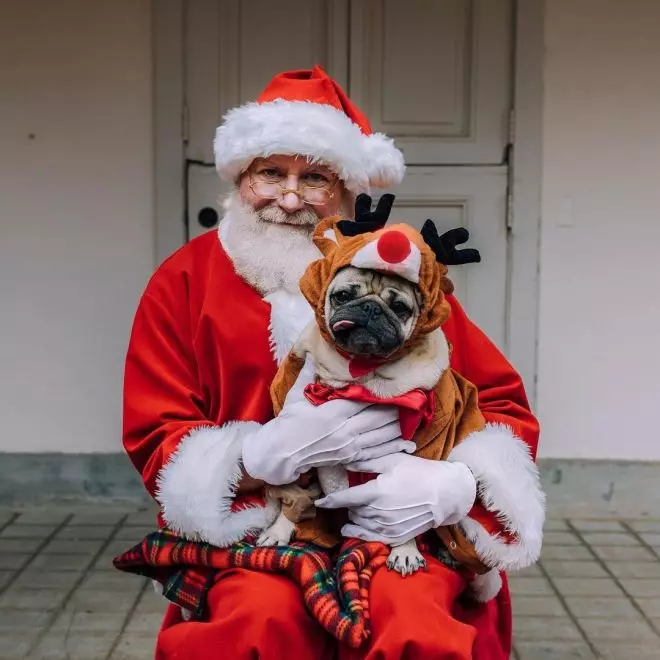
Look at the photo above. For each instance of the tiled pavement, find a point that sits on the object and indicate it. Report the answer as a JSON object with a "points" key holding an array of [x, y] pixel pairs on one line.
{"points": [[595, 593]]}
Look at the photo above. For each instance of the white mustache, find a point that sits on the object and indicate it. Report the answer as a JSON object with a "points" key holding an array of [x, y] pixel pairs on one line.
{"points": [[303, 217]]}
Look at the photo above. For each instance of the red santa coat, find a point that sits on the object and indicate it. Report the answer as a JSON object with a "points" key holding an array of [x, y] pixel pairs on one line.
{"points": [[198, 371]]}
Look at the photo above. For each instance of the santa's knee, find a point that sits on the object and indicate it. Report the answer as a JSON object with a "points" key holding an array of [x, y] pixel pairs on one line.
{"points": [[423, 643]]}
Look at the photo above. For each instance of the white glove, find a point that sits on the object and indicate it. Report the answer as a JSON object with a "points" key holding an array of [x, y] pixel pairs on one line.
{"points": [[410, 496], [304, 436]]}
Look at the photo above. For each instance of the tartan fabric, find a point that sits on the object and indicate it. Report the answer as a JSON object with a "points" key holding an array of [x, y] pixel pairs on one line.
{"points": [[334, 585]]}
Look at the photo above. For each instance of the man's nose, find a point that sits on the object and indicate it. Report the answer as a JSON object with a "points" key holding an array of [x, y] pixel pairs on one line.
{"points": [[290, 201]]}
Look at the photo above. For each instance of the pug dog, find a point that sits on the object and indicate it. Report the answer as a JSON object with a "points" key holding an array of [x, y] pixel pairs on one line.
{"points": [[370, 316]]}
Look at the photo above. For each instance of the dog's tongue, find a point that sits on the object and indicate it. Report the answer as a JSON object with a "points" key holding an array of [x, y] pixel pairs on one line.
{"points": [[343, 325]]}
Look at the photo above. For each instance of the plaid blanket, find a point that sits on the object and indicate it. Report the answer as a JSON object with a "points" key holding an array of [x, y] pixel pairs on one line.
{"points": [[334, 584]]}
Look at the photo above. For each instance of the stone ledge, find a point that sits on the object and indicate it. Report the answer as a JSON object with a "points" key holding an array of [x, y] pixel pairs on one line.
{"points": [[575, 488]]}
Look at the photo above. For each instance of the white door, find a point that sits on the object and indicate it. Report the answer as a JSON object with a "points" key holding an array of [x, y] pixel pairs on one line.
{"points": [[433, 74]]}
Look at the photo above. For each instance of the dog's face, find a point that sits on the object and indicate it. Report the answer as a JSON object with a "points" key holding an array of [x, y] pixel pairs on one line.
{"points": [[369, 313]]}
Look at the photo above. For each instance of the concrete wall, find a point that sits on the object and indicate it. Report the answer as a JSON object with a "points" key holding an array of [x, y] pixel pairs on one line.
{"points": [[76, 226], [599, 361]]}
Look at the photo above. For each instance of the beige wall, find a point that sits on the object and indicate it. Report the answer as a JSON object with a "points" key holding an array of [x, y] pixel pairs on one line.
{"points": [[599, 361], [76, 226]]}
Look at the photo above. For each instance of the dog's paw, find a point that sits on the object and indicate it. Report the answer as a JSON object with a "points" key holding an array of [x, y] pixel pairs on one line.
{"points": [[279, 533], [406, 559]]}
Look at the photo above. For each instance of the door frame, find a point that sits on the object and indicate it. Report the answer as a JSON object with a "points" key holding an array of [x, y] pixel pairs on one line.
{"points": [[524, 222]]}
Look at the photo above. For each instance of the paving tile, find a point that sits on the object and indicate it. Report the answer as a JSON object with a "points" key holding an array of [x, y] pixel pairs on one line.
{"points": [[5, 578], [69, 547], [14, 646], [610, 538], [74, 621], [27, 531], [650, 606], [623, 553], [61, 562], [639, 588], [587, 587], [36, 600], [560, 538], [13, 561], [135, 534], [597, 525], [527, 586], [643, 569], [545, 629], [602, 607], [579, 569], [530, 571], [145, 622], [90, 532], [106, 518], [113, 581], [40, 579], [554, 525], [23, 620], [19, 546], [555, 650], [43, 517], [537, 606], [88, 600], [627, 650], [653, 539], [565, 553], [644, 525], [151, 602], [614, 629], [135, 646], [88, 646]]}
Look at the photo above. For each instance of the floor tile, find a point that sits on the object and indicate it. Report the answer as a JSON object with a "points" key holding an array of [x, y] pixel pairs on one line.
{"points": [[565, 553], [643, 569], [560, 538], [35, 600], [627, 651], [597, 525], [61, 562], [537, 606], [610, 538], [27, 531], [618, 630], [19, 546], [641, 588], [555, 650], [587, 587], [9, 561], [85, 532], [530, 586], [579, 569], [545, 629], [650, 606], [645, 525], [554, 525], [70, 547], [602, 607], [623, 553]]}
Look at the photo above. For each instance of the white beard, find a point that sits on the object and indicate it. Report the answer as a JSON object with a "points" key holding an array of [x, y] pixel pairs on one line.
{"points": [[267, 254]]}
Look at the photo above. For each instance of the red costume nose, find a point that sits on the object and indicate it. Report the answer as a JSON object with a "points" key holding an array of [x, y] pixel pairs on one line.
{"points": [[393, 247]]}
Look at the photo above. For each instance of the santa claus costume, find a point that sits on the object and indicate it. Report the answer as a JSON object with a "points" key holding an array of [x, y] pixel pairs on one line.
{"points": [[206, 342]]}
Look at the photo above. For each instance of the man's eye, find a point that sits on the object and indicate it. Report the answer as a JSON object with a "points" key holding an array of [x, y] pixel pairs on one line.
{"points": [[270, 173], [400, 308], [315, 179], [341, 297]]}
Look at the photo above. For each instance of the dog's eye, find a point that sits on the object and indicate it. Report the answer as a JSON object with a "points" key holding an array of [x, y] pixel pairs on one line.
{"points": [[400, 308], [341, 297]]}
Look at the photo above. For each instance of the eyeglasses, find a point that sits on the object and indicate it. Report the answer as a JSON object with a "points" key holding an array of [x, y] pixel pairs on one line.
{"points": [[314, 190]]}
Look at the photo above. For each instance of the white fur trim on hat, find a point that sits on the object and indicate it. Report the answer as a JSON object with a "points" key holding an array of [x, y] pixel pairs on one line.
{"points": [[197, 486], [316, 130]]}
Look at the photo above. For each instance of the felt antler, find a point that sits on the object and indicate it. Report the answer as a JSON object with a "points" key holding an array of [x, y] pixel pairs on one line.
{"points": [[445, 246], [367, 220]]}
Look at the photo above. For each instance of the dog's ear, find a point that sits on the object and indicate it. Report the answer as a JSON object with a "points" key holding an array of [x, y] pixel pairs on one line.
{"points": [[326, 237]]}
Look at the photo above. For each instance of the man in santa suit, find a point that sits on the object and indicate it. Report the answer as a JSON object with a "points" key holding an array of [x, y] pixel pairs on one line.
{"points": [[216, 319]]}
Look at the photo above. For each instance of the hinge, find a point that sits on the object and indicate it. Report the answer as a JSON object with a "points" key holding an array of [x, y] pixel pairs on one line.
{"points": [[511, 165], [185, 123]]}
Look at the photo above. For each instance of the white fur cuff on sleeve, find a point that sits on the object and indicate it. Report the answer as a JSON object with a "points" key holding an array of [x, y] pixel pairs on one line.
{"points": [[196, 487], [508, 485]]}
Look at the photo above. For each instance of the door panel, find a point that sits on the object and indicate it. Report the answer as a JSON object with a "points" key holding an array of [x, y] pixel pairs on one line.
{"points": [[435, 76]]}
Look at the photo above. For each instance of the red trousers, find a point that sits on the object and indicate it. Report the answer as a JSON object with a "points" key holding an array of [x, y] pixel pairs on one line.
{"points": [[261, 616]]}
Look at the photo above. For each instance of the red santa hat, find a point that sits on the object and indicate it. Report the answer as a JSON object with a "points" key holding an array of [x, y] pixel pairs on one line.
{"points": [[308, 113]]}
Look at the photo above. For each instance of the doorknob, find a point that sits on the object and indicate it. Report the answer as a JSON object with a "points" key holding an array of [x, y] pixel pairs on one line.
{"points": [[207, 217]]}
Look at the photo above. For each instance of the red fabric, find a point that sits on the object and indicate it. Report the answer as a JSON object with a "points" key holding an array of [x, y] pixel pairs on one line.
{"points": [[416, 407], [412, 618], [199, 354], [315, 86]]}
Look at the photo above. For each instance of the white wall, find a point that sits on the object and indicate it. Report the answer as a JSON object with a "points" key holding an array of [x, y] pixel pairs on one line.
{"points": [[599, 354], [76, 226]]}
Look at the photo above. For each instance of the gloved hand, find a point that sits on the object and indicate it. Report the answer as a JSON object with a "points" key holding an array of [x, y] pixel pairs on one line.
{"points": [[304, 436], [410, 496]]}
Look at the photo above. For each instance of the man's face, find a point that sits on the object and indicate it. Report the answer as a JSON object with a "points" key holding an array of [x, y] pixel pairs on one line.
{"points": [[280, 176]]}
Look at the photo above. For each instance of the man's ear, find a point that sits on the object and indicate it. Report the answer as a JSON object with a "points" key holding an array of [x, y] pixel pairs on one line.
{"points": [[326, 237]]}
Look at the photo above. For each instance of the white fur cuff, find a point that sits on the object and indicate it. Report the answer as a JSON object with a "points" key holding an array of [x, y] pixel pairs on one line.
{"points": [[196, 487], [508, 485]]}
